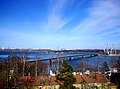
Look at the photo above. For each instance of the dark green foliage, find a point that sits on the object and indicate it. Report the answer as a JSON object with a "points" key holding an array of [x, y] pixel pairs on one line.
{"points": [[65, 78]]}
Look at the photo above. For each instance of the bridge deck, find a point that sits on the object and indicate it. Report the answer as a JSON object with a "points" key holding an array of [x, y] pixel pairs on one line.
{"points": [[68, 56]]}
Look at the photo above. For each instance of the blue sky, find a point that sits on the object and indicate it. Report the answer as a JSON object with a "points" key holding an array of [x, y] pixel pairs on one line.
{"points": [[59, 23]]}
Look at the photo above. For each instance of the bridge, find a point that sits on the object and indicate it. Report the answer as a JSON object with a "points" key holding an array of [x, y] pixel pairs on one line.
{"points": [[69, 56]]}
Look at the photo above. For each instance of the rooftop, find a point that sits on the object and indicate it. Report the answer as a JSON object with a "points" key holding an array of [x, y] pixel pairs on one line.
{"points": [[45, 80]]}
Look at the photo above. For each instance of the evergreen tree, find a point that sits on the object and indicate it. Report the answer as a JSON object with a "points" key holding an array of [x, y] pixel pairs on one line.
{"points": [[65, 78]]}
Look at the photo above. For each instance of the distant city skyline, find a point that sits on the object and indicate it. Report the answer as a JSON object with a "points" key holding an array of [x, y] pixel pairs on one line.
{"points": [[70, 24]]}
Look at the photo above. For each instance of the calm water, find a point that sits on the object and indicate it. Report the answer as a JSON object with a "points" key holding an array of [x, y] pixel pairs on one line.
{"points": [[93, 61], [31, 55]]}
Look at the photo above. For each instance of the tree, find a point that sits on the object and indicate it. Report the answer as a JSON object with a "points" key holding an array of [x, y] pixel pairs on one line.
{"points": [[9, 71], [65, 77], [116, 63], [105, 66], [42, 68]]}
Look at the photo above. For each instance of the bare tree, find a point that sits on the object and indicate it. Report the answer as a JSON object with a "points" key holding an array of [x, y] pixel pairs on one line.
{"points": [[82, 67]]}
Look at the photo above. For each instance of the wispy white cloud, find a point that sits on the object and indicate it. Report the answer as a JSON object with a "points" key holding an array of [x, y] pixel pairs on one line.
{"points": [[103, 17], [75, 29], [101, 24], [56, 19]]}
